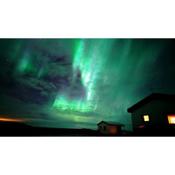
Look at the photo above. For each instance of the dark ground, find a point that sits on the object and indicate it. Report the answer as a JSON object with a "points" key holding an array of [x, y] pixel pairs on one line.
{"points": [[22, 129]]}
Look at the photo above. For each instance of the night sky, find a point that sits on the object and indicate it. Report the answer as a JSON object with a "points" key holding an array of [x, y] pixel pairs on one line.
{"points": [[75, 83]]}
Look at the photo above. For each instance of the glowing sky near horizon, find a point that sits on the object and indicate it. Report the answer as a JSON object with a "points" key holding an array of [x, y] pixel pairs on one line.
{"points": [[79, 82]]}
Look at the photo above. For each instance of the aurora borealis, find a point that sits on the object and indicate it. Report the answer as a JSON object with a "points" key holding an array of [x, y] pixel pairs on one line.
{"points": [[76, 83]]}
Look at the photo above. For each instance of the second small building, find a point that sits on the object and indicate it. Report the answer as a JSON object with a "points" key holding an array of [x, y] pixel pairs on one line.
{"points": [[109, 128]]}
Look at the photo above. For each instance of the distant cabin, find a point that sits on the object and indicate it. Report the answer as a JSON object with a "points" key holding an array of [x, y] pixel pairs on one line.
{"points": [[109, 128], [153, 112]]}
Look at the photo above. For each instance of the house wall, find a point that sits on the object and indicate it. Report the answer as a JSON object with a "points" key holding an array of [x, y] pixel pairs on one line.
{"points": [[102, 128], [157, 111]]}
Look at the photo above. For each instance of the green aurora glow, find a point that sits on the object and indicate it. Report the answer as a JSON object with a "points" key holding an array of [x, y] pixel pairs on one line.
{"points": [[90, 63]]}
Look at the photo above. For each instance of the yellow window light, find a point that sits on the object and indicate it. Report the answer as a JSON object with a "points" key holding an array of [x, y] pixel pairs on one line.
{"points": [[171, 119], [146, 118]]}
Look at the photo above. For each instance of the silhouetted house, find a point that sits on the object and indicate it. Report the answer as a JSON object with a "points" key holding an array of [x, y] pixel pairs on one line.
{"points": [[109, 128], [155, 113]]}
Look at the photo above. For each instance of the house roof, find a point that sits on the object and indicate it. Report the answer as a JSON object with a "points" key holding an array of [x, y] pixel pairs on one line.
{"points": [[154, 96], [110, 123]]}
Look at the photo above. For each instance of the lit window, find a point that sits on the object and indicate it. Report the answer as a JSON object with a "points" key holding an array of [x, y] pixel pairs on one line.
{"points": [[146, 118], [113, 130], [171, 119]]}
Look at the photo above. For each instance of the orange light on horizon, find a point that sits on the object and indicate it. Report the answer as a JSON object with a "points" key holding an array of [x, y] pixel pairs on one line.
{"points": [[171, 119], [5, 118]]}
